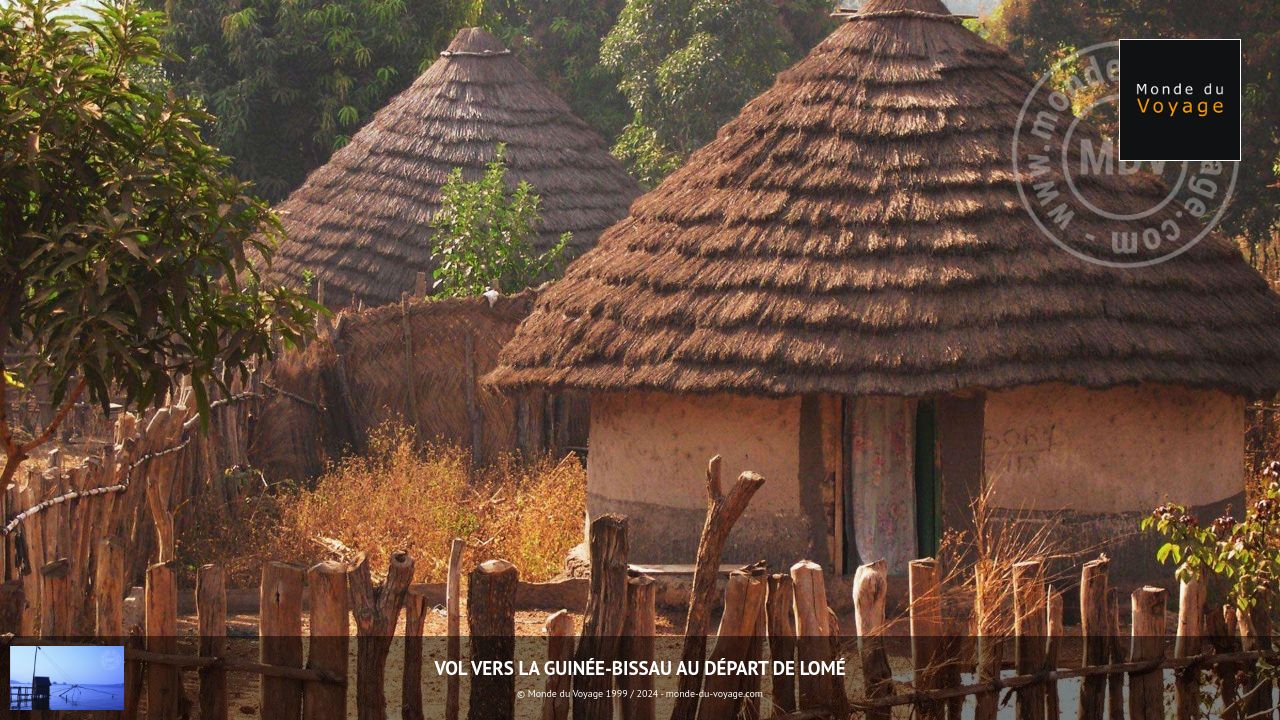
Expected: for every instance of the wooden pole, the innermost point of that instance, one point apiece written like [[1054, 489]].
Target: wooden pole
[[1115, 681], [108, 589], [415, 611], [1095, 628], [926, 628], [1222, 633], [744, 598], [991, 631], [723, 510], [163, 681], [280, 631], [55, 591], [605, 615], [491, 617], [211, 617], [453, 631], [1052, 704], [813, 636], [782, 641], [638, 634], [1146, 689], [330, 641], [376, 611], [1191, 634], [1255, 635], [1029, 629], [559, 630], [870, 588]]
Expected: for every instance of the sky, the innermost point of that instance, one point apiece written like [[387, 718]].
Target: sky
[[76, 664]]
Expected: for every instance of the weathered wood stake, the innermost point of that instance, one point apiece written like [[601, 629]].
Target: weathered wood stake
[[330, 641], [782, 640], [1191, 635], [813, 638], [1146, 689], [559, 630], [491, 619], [1095, 628], [638, 635], [605, 615], [870, 588], [1029, 629], [1119, 654], [108, 589], [163, 681], [723, 510], [926, 629], [415, 612], [280, 632], [376, 611], [744, 598], [211, 615], [453, 628], [1052, 703]]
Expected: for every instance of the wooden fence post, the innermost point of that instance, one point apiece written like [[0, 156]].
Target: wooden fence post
[[415, 611], [108, 590], [453, 629], [55, 591], [1146, 689], [604, 617], [330, 642], [1255, 636], [1030, 630], [723, 510], [1191, 633], [1115, 681], [990, 629], [211, 618], [163, 681], [280, 632], [782, 640], [813, 638], [559, 630], [491, 618], [1222, 634], [376, 611], [743, 602], [926, 629], [638, 637], [1052, 705], [1095, 628], [870, 588]]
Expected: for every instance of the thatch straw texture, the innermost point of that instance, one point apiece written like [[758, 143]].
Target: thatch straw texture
[[361, 222], [419, 363], [857, 229]]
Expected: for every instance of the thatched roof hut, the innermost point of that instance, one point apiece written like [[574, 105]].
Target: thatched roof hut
[[361, 223], [844, 291]]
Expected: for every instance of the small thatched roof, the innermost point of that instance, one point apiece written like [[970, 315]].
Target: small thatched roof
[[857, 229], [361, 222]]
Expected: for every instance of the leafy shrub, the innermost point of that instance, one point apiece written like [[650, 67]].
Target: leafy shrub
[[483, 235]]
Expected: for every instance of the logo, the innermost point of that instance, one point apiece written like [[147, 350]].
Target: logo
[[1079, 192]]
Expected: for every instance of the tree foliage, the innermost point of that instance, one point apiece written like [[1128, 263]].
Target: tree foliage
[[1038, 32], [559, 41], [124, 242], [483, 235], [688, 66], [291, 80]]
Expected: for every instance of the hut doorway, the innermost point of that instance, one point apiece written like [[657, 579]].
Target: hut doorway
[[912, 470]]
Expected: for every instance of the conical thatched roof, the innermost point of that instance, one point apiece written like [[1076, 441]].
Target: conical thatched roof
[[857, 229], [360, 223]]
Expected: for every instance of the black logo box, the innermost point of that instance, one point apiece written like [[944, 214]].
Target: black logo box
[[1188, 67]]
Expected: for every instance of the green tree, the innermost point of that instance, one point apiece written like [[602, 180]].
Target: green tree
[[559, 41], [291, 80], [1037, 31], [124, 242], [688, 66], [483, 235]]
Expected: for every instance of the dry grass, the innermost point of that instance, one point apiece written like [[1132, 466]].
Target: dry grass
[[399, 496]]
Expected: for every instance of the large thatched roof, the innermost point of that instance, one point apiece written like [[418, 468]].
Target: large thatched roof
[[857, 229], [360, 223]]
